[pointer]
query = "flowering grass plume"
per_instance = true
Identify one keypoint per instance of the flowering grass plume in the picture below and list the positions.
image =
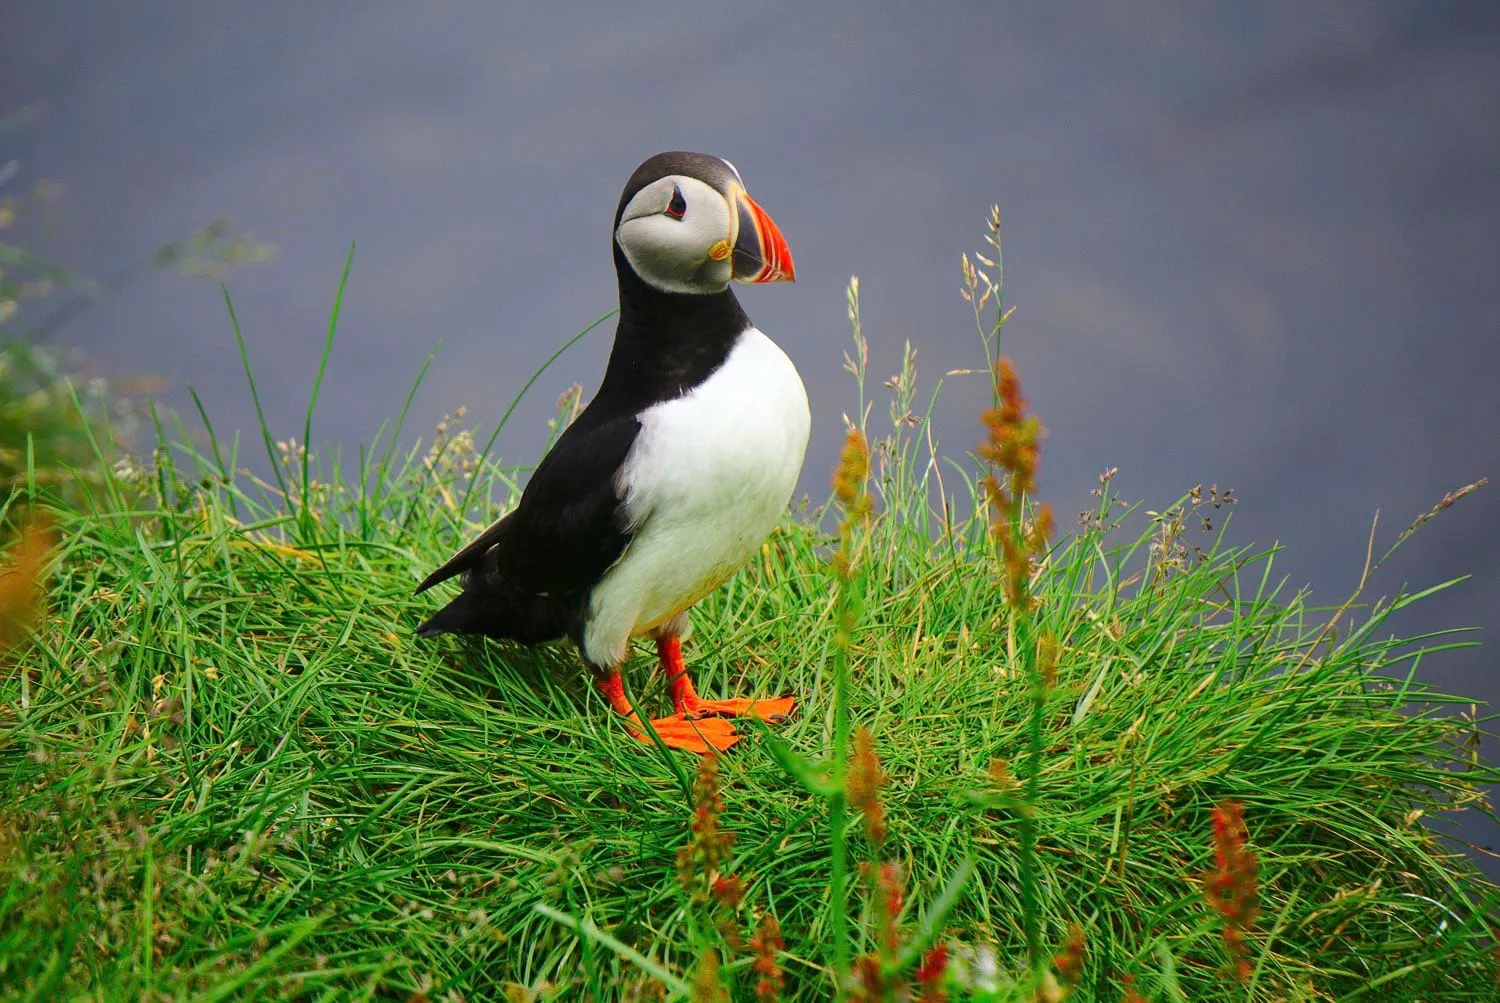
(1046, 661)
(871, 980)
(1231, 887)
(932, 975)
(1013, 451)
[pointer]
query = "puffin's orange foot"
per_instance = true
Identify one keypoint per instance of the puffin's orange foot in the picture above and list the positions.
(775, 710)
(702, 737)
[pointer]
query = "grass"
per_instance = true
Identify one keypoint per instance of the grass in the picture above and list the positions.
(231, 772)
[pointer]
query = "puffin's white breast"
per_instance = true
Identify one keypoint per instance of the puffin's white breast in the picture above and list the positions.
(708, 477)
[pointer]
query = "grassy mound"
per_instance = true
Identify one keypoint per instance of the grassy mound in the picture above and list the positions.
(230, 771)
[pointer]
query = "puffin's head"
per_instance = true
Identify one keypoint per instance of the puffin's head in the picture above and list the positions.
(686, 225)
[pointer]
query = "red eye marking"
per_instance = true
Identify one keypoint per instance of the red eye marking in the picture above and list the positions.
(677, 208)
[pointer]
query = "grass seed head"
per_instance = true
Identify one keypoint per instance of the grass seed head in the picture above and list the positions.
(1001, 776)
(890, 889)
(1046, 661)
(862, 784)
(727, 890)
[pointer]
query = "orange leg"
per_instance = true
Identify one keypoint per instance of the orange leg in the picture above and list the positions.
(689, 705)
(677, 731)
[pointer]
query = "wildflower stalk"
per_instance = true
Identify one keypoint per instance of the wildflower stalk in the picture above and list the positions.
(702, 866)
(828, 779)
(1030, 769)
(849, 484)
(1012, 449)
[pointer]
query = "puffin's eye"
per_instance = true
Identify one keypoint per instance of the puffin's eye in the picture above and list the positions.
(677, 208)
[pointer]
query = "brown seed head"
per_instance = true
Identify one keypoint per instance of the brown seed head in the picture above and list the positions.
(708, 846)
(1000, 775)
(1069, 960)
(1046, 660)
(1013, 449)
(862, 784)
(850, 475)
(21, 581)
(706, 986)
(890, 895)
(728, 890)
(766, 944)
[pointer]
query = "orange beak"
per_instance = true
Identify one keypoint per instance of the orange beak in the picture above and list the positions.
(760, 251)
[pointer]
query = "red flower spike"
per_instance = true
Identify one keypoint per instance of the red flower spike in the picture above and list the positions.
(930, 975)
(727, 891)
(1231, 888)
(890, 896)
(1013, 450)
(868, 984)
(708, 846)
(770, 982)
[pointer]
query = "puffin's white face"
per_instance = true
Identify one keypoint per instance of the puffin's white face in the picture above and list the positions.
(678, 235)
(682, 235)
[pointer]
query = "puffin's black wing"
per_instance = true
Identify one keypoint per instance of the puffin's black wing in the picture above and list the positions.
(570, 525)
(538, 561)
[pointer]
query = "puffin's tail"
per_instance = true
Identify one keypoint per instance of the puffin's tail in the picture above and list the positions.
(504, 617)
(454, 618)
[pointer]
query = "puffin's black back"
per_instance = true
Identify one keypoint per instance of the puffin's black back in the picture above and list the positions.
(529, 576)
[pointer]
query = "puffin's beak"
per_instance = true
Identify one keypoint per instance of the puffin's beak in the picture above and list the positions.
(760, 251)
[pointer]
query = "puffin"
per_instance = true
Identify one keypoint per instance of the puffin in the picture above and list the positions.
(674, 474)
